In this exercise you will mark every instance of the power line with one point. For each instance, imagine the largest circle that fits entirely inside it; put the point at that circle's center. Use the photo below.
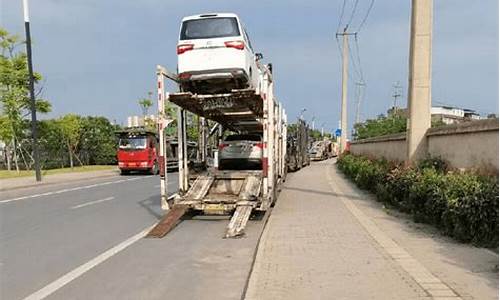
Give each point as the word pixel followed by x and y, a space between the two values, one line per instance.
pixel 352 14
pixel 341 16
pixel 356 67
pixel 366 16
pixel 358 56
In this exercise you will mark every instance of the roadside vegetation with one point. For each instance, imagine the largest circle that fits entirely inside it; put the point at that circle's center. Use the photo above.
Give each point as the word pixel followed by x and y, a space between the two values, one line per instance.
pixel 67 141
pixel 394 122
pixel 463 205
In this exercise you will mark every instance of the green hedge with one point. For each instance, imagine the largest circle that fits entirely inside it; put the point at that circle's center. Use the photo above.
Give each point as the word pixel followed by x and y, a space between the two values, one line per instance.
pixel 464 205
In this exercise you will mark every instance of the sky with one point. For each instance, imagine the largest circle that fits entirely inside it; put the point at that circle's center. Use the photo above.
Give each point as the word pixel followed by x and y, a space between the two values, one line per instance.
pixel 99 57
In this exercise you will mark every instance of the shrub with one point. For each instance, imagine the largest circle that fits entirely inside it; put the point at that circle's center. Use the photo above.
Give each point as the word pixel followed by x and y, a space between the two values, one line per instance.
pixel 464 205
pixel 472 209
pixel 436 163
pixel 426 199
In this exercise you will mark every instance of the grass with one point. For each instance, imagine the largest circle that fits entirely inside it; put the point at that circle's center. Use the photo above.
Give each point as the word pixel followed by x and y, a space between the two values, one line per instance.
pixel 5 174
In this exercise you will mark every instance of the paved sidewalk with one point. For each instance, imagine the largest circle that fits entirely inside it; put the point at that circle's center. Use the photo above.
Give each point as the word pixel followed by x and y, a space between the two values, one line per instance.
pixel 320 243
pixel 29 181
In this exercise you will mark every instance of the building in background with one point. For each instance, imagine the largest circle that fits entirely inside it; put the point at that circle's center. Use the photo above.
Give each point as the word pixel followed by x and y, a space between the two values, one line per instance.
pixel 445 114
pixel 140 121
pixel 453 115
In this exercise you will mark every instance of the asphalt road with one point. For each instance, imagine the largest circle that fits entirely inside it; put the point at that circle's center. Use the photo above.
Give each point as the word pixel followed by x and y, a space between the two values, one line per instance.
pixel 84 240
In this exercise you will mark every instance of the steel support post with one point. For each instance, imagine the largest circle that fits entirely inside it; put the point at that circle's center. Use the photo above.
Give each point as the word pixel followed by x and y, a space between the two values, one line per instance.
pixel 162 124
pixel 265 123
pixel 180 148
pixel 271 144
pixel 185 155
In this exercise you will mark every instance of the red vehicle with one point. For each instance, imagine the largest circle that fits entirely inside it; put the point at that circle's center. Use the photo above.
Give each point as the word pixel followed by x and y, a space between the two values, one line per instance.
pixel 137 151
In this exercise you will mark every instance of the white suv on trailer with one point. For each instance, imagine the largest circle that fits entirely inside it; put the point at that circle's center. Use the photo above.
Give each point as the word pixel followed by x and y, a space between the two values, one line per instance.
pixel 215 55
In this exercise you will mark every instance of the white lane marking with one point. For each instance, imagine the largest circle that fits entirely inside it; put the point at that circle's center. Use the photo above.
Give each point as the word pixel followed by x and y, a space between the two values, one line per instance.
pixel 93 202
pixel 71 189
pixel 72 275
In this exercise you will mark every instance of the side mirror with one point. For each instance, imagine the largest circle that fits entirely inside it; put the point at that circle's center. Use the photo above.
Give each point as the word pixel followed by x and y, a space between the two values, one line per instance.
pixel 258 56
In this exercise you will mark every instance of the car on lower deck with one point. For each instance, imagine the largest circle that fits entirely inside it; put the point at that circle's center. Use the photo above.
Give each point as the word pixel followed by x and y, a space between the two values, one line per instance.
pixel 241 152
pixel 215 55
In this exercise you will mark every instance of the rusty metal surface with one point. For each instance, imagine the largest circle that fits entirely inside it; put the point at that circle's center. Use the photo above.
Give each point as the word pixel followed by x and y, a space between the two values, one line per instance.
pixel 200 187
pixel 168 221
pixel 236 227
pixel 240 110
pixel 251 188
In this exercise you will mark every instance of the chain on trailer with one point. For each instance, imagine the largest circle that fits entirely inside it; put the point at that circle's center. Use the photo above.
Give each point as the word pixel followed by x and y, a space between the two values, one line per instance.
pixel 214 191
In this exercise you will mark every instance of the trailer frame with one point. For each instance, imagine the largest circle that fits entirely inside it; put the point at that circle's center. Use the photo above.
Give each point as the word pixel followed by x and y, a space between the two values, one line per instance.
pixel 216 191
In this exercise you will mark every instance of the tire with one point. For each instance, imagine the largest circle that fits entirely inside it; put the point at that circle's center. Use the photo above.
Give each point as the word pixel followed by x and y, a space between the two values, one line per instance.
pixel 155 170
pixel 124 172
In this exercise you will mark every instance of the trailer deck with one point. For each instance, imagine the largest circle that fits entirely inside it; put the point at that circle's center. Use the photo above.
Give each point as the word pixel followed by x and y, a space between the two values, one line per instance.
pixel 240 110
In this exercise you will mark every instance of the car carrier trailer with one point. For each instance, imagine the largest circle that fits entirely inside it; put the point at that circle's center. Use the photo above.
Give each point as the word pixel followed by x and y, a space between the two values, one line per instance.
pixel 221 192
pixel 298 146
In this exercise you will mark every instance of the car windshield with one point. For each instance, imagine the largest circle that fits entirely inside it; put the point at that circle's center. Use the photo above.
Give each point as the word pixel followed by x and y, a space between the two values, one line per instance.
pixel 209 28
pixel 133 143
pixel 243 137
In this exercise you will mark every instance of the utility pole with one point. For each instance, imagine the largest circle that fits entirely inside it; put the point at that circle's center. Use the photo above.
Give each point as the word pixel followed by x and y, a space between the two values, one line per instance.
pixel 359 93
pixel 419 87
pixel 345 65
pixel 34 133
pixel 397 93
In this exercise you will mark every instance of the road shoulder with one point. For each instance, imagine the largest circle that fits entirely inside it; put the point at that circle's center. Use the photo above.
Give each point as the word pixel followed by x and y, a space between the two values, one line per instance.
pixel 469 271
pixel 324 243
pixel 29 182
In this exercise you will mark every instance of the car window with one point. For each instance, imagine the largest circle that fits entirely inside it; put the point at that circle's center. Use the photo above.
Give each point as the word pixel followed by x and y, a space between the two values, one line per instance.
pixel 243 137
pixel 209 28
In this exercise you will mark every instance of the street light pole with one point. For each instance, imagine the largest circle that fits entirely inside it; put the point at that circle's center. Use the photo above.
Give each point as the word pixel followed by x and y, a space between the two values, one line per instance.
pixel 34 133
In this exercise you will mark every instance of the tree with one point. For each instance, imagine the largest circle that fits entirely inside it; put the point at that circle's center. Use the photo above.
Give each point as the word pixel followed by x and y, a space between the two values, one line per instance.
pixel 71 127
pixel 98 142
pixel 145 104
pixel 14 94
pixel 53 149
pixel 382 125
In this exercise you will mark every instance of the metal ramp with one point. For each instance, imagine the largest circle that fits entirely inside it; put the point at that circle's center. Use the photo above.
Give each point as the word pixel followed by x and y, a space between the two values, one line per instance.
pixel 200 187
pixel 250 189
pixel 236 227
pixel 168 221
